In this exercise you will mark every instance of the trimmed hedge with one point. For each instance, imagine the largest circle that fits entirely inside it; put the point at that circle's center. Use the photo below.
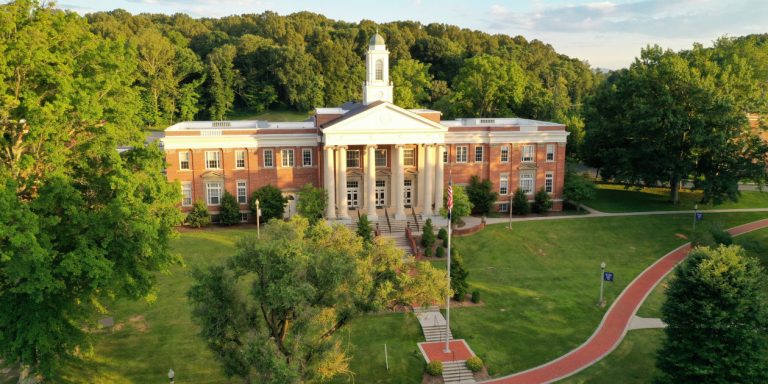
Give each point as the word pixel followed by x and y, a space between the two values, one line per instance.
pixel 474 364
pixel 435 368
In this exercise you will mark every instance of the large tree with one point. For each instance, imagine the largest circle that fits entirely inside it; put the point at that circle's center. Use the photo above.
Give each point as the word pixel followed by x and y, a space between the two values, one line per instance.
pixel 716 313
pixel 305 284
pixel 663 120
pixel 412 82
pixel 80 222
pixel 488 86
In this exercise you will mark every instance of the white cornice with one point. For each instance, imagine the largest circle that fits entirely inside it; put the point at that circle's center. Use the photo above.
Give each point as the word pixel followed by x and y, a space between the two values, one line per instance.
pixel 240 141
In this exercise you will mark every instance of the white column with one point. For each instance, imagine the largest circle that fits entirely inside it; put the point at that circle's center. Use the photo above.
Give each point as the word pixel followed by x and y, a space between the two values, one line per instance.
pixel 419 200
pixel 370 196
pixel 330 209
pixel 429 180
pixel 439 175
pixel 341 179
pixel 398 169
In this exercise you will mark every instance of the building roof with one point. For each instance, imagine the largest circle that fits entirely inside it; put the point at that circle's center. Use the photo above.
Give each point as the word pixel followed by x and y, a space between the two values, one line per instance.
pixel 376 40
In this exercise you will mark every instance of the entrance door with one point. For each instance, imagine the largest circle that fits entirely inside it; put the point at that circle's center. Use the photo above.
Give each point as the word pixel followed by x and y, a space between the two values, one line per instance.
pixel 380 193
pixel 353 188
pixel 407 192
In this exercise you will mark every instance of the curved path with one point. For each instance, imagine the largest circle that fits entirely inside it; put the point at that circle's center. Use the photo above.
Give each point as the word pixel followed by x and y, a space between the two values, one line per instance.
pixel 614 325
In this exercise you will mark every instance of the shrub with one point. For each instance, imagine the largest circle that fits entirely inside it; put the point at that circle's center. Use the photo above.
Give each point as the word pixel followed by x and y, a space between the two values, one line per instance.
pixel 312 203
pixel 364 229
pixel 520 205
pixel 542 203
pixel 474 364
pixel 440 252
pixel 428 234
pixel 481 195
pixel 442 234
pixel 475 296
pixel 435 368
pixel 458 278
pixel 721 236
pixel 229 211
pixel 711 236
pixel 199 216
pixel 271 202
pixel 578 188
pixel 428 252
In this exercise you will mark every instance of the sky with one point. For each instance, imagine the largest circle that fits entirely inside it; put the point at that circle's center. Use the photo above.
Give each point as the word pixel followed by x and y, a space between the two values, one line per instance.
pixel 606 34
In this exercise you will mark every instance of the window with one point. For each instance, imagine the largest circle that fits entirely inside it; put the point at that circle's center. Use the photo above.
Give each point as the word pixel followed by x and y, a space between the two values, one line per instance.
pixel 269 158
pixel 306 157
pixel 549 182
pixel 550 152
pixel 186 194
pixel 243 217
pixel 381 157
pixel 445 156
pixel 504 207
pixel 287 156
pixel 479 154
pixel 213 193
pixel 239 159
pixel 503 185
pixel 526 182
pixel 461 154
pixel 212 160
pixel 242 192
pixel 409 157
pixel 184 160
pixel 505 154
pixel 379 70
pixel 353 159
pixel 527 153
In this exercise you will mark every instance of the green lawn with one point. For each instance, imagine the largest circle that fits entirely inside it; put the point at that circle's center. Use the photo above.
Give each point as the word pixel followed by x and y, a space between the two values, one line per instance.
pixel 539 283
pixel 633 360
pixel 616 198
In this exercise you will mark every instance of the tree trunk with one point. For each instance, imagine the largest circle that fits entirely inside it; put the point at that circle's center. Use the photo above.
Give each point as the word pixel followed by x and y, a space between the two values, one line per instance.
pixel 674 194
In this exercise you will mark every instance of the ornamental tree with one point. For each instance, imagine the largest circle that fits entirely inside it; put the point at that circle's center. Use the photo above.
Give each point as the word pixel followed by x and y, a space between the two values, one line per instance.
pixel 462 207
pixel 481 194
pixel 305 284
pixel 520 204
pixel 271 201
pixel 312 202
pixel 716 313
pixel 229 210
pixel 80 223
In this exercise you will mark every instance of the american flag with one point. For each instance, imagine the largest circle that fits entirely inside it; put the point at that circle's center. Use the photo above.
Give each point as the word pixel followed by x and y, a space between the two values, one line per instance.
pixel 450 195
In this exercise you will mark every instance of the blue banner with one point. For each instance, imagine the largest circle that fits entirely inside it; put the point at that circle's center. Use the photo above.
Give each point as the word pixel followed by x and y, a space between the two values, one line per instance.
pixel 608 276
pixel 699 216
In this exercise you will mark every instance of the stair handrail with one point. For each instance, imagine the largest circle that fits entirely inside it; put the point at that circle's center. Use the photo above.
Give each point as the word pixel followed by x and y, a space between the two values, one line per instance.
pixel 389 225
pixel 415 218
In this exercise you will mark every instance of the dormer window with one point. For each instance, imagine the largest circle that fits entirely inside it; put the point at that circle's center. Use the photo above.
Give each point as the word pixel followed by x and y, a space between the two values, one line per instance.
pixel 379 70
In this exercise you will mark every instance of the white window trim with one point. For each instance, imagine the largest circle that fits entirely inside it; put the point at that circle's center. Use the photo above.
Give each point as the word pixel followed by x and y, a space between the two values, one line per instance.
pixel 533 182
pixel 482 154
pixel 208 194
pixel 446 156
pixel 501 154
pixel 504 207
pixel 413 157
pixel 189 160
pixel 218 160
pixel 375 157
pixel 311 158
pixel 554 150
pixel 283 158
pixel 466 153
pixel 549 176
pixel 349 158
pixel 271 158
pixel 503 184
pixel 245 189
pixel 532 150
pixel 245 159
pixel 191 194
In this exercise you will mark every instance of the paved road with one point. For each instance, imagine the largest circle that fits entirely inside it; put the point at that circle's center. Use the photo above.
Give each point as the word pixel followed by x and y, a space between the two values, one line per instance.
pixel 615 322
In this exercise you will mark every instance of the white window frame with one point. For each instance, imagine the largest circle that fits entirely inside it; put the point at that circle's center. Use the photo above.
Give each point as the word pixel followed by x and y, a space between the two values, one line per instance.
pixel 445 156
pixel 549 182
pixel 504 207
pixel 504 158
pixel 244 216
pixel 268 154
pixel 550 153
pixel 409 157
pixel 240 159
pixel 287 158
pixel 306 154
pixel 242 192
pixel 479 150
pixel 526 178
pixel 379 70
pixel 188 160
pixel 504 184
pixel 186 194
pixel 353 161
pixel 380 154
pixel 211 187
pixel 208 159
pixel 528 153
pixel 461 153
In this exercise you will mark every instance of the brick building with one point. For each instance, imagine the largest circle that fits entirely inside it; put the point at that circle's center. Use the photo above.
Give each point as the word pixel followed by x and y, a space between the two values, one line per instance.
pixel 373 156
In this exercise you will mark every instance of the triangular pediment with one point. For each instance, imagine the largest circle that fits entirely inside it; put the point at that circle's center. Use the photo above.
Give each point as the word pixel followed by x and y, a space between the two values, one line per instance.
pixel 383 117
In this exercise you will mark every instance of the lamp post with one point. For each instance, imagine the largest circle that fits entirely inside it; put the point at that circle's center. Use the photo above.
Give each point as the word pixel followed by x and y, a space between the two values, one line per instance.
pixel 171 375
pixel 695 211
pixel 601 303
pixel 258 219
pixel 510 211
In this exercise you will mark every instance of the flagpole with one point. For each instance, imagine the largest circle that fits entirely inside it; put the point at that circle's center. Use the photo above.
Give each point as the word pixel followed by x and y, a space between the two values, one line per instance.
pixel 448 267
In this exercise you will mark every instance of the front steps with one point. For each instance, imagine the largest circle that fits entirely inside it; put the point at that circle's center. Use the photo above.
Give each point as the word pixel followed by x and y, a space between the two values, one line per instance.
pixel 456 372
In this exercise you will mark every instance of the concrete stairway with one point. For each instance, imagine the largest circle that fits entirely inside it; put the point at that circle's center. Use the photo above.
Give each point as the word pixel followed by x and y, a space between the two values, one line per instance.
pixel 435 333
pixel 394 229
pixel 456 372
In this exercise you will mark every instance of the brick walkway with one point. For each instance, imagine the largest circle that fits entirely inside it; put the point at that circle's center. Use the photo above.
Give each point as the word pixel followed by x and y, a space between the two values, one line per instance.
pixel 614 325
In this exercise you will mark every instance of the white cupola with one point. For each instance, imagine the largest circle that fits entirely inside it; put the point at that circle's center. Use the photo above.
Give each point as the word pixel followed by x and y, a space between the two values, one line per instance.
pixel 377 85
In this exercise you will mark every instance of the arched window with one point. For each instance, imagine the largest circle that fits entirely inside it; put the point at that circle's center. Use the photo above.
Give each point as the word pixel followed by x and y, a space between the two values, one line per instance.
pixel 379 70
